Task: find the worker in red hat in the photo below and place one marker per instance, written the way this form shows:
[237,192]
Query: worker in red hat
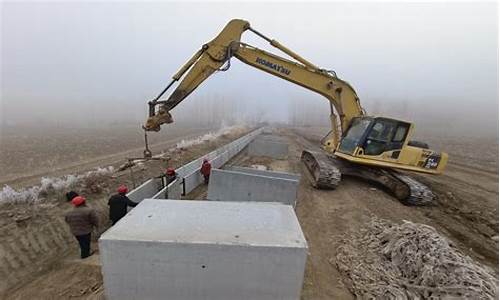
[170,176]
[118,204]
[81,220]
[206,167]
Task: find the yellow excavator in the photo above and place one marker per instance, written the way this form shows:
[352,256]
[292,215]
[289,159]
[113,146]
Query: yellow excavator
[358,145]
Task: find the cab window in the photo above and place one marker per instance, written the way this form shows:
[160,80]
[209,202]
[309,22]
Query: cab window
[400,134]
[354,135]
[379,137]
[382,130]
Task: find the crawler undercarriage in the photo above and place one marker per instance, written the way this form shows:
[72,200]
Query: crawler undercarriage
[326,171]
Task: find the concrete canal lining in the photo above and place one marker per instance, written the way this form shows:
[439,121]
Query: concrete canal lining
[238,186]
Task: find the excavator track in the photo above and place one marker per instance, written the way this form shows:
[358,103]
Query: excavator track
[326,172]
[419,194]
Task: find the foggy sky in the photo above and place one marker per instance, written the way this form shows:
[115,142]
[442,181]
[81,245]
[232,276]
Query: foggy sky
[97,62]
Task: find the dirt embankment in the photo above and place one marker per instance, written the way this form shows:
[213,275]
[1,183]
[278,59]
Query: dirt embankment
[38,251]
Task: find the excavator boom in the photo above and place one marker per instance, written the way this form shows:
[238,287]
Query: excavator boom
[218,52]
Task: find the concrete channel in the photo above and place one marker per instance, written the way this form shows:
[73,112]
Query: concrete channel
[247,244]
[269,145]
[189,176]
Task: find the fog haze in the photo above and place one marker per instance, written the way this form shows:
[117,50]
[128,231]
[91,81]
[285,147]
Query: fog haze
[91,64]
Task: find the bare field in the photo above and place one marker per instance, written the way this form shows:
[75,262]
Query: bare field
[29,153]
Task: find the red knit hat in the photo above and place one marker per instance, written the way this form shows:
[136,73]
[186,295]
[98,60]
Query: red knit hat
[122,189]
[170,171]
[78,200]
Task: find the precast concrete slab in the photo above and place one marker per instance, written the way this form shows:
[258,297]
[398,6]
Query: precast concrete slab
[227,185]
[264,172]
[268,147]
[204,250]
[172,191]
[145,190]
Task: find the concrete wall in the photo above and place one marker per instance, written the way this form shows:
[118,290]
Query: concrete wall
[204,250]
[189,174]
[172,191]
[236,186]
[145,190]
[264,172]
[264,146]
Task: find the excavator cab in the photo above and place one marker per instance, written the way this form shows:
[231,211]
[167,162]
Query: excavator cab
[373,136]
[387,142]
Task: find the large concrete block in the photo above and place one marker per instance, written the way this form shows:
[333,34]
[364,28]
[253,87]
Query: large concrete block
[237,186]
[204,250]
[268,147]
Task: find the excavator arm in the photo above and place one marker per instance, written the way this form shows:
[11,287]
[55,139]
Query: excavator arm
[215,56]
[340,94]
[209,59]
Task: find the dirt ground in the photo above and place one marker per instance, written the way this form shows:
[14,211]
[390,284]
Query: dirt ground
[466,211]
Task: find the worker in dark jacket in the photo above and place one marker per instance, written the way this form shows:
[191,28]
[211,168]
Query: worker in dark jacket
[170,176]
[118,204]
[81,220]
[206,167]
